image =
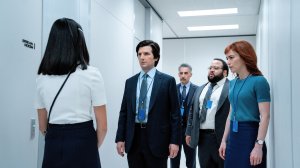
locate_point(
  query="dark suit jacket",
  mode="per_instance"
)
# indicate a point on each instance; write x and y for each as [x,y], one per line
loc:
[187,103]
[163,124]
[193,125]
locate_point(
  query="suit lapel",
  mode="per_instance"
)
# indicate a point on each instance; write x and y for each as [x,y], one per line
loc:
[133,95]
[155,89]
[178,92]
[190,93]
[224,94]
[196,99]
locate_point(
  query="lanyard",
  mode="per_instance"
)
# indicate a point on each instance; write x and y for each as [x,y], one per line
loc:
[235,101]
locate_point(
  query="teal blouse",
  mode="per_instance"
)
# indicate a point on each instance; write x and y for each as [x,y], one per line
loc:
[244,96]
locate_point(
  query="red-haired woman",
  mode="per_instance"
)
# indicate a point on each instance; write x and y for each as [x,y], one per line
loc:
[243,143]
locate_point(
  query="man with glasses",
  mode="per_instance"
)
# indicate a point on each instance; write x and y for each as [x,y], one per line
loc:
[208,114]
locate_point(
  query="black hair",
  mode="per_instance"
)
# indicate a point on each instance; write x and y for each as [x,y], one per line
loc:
[65,50]
[153,45]
[225,66]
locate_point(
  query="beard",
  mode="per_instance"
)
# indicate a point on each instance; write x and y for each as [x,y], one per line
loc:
[216,78]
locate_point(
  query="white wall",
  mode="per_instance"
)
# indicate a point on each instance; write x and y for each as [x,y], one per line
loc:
[279,38]
[112,52]
[116,29]
[295,59]
[154,31]
[198,52]
[18,68]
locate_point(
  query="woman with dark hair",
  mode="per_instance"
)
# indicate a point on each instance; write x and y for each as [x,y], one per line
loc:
[246,127]
[68,90]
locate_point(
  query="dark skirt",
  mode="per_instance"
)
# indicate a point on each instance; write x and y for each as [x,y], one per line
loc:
[71,146]
[240,145]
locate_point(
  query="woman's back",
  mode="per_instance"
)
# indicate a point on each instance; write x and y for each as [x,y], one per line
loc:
[83,90]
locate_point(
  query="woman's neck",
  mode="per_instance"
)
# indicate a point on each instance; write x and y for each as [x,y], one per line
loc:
[244,73]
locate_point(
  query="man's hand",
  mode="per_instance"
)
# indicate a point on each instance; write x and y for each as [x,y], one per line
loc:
[121,148]
[188,140]
[173,150]
[222,150]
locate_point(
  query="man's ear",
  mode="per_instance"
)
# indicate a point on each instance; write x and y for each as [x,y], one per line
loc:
[225,73]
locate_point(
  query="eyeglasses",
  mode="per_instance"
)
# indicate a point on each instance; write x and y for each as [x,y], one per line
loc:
[214,67]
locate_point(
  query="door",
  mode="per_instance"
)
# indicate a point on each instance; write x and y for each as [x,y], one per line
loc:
[20,48]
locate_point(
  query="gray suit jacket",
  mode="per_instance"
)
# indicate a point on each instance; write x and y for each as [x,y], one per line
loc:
[193,126]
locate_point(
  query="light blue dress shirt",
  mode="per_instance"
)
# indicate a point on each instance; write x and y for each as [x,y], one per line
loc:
[150,81]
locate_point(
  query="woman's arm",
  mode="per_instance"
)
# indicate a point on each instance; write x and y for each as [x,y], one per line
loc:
[264,110]
[222,148]
[42,116]
[101,120]
[256,154]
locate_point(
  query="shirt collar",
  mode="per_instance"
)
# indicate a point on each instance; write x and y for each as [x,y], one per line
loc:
[150,73]
[187,85]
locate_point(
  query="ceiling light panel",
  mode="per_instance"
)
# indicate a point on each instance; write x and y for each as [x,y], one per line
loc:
[225,11]
[214,27]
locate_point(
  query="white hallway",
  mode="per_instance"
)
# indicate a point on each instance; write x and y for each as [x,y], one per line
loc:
[112,30]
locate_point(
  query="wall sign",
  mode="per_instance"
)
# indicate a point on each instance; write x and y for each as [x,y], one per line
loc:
[28,44]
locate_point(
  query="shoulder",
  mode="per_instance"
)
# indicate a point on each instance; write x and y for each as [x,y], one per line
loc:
[133,78]
[200,88]
[91,72]
[193,85]
[203,85]
[163,75]
[260,79]
[260,82]
[90,69]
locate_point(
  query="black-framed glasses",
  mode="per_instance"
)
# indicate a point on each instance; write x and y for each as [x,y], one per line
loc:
[214,67]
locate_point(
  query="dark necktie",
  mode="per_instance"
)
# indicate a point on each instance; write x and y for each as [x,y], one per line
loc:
[204,104]
[183,96]
[142,99]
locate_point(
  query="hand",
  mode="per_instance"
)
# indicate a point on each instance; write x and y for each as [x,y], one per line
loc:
[188,140]
[173,150]
[256,155]
[121,148]
[222,150]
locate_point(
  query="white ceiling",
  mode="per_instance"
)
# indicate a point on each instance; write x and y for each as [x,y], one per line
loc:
[175,26]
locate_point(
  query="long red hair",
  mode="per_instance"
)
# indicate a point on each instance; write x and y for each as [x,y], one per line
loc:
[247,53]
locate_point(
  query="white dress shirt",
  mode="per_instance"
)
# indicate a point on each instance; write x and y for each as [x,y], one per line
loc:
[209,123]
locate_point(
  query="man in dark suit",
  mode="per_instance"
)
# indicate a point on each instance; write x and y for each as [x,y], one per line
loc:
[186,92]
[208,114]
[149,120]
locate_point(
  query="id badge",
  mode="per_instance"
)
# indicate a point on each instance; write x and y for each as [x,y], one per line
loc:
[235,126]
[142,114]
[181,111]
[208,104]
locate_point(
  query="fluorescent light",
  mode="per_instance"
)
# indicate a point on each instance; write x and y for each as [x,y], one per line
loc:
[215,27]
[208,12]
